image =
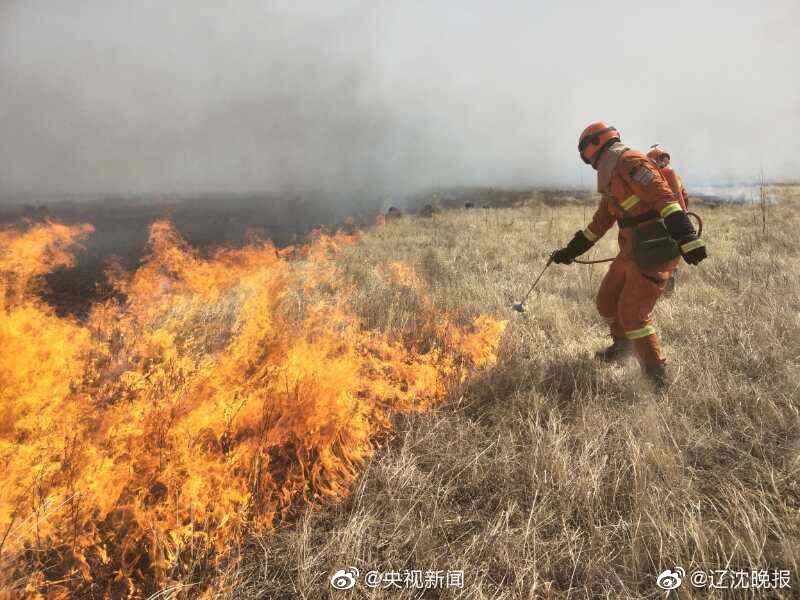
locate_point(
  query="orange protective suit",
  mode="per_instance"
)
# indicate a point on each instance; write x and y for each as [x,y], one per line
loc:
[631,187]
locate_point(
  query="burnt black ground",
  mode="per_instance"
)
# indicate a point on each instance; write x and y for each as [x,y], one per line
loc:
[122,225]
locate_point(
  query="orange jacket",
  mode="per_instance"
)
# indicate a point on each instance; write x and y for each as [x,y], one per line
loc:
[676,185]
[635,187]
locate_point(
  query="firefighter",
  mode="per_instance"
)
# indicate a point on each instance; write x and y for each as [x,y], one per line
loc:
[654,232]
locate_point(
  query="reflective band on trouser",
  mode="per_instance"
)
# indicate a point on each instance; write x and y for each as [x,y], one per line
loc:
[630,202]
[689,246]
[640,333]
[589,235]
[670,208]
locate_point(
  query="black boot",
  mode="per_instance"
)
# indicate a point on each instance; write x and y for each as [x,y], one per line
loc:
[657,374]
[616,351]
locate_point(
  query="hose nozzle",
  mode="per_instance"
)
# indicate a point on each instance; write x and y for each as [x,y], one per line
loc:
[520,306]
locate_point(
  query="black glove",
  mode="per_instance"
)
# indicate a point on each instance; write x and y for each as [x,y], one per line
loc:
[694,251]
[681,230]
[577,246]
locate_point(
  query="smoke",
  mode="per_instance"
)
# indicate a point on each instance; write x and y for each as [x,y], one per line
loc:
[377,98]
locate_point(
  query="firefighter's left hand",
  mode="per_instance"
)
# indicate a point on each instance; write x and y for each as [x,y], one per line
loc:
[693,252]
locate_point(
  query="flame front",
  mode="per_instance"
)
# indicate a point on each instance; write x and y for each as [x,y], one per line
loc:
[221,394]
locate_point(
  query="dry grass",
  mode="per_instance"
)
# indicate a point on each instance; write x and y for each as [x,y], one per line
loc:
[550,476]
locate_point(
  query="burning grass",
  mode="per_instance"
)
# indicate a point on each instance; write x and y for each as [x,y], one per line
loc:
[140,446]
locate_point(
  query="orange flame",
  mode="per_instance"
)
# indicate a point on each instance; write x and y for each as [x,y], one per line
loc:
[222,393]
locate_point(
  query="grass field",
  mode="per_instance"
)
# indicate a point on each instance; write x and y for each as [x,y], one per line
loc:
[550,476]
[539,475]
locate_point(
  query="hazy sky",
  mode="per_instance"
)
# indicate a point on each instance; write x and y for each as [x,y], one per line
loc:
[199,95]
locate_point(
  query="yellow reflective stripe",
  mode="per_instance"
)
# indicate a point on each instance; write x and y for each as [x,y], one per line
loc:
[589,235]
[670,208]
[640,333]
[630,202]
[689,246]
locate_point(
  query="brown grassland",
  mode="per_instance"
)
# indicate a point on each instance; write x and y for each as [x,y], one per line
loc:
[550,476]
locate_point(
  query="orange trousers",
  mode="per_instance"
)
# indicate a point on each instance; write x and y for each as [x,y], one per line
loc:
[626,299]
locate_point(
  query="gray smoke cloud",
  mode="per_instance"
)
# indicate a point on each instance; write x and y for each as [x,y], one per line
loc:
[386,97]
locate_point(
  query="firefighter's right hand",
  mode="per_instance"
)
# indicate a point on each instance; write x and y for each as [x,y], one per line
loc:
[577,246]
[694,251]
[562,256]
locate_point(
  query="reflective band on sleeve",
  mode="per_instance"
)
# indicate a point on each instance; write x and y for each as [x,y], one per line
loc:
[689,246]
[669,209]
[640,333]
[630,202]
[589,235]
